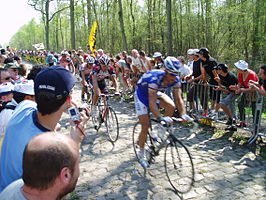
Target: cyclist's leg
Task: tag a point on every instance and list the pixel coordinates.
(167, 103)
(144, 120)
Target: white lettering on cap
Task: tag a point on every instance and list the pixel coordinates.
(48, 87)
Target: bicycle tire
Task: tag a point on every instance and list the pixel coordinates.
(111, 124)
(150, 143)
(179, 167)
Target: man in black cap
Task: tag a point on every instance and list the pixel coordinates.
(208, 64)
(224, 80)
(52, 88)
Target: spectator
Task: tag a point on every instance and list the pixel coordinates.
(2, 59)
(190, 55)
(52, 87)
(46, 174)
(4, 76)
(123, 71)
(158, 60)
(145, 61)
(17, 59)
(22, 91)
(6, 91)
(262, 82)
(248, 95)
(195, 88)
(184, 70)
(23, 70)
(6, 95)
(225, 80)
(50, 60)
(34, 71)
(208, 74)
(13, 71)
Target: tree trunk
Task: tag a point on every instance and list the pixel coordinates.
(89, 18)
(255, 35)
(47, 27)
(169, 27)
(149, 26)
(120, 13)
(72, 24)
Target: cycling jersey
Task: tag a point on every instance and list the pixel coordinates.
(101, 76)
(153, 79)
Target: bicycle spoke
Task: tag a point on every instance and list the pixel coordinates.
(179, 167)
(111, 124)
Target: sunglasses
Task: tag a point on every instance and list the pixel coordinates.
(173, 74)
(7, 78)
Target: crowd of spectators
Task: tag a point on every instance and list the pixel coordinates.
(32, 100)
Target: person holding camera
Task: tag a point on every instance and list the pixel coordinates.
(46, 175)
(52, 87)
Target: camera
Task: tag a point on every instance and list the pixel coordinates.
(74, 114)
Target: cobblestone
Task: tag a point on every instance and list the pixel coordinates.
(223, 171)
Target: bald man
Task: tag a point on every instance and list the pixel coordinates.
(50, 169)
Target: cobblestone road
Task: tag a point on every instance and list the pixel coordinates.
(223, 170)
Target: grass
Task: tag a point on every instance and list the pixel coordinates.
(74, 196)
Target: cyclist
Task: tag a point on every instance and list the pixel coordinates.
(85, 72)
(148, 95)
(99, 74)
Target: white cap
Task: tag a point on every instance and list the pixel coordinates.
(242, 65)
(157, 55)
(25, 87)
(190, 51)
(195, 51)
(6, 88)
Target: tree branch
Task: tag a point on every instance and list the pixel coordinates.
(57, 12)
(35, 7)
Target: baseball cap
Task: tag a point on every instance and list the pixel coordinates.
(203, 50)
(190, 51)
(56, 80)
(24, 87)
(157, 55)
(6, 88)
(221, 66)
(12, 66)
(242, 65)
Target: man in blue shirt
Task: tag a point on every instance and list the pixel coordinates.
(52, 89)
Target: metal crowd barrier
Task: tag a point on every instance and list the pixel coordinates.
(202, 95)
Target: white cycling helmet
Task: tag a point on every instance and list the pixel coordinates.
(104, 59)
(172, 65)
(90, 60)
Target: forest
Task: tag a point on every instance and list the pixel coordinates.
(230, 29)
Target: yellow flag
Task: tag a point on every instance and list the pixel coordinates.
(92, 37)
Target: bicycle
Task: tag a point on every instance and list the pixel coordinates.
(178, 164)
(107, 116)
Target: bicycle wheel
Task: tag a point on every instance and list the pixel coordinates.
(179, 166)
(111, 124)
(153, 143)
